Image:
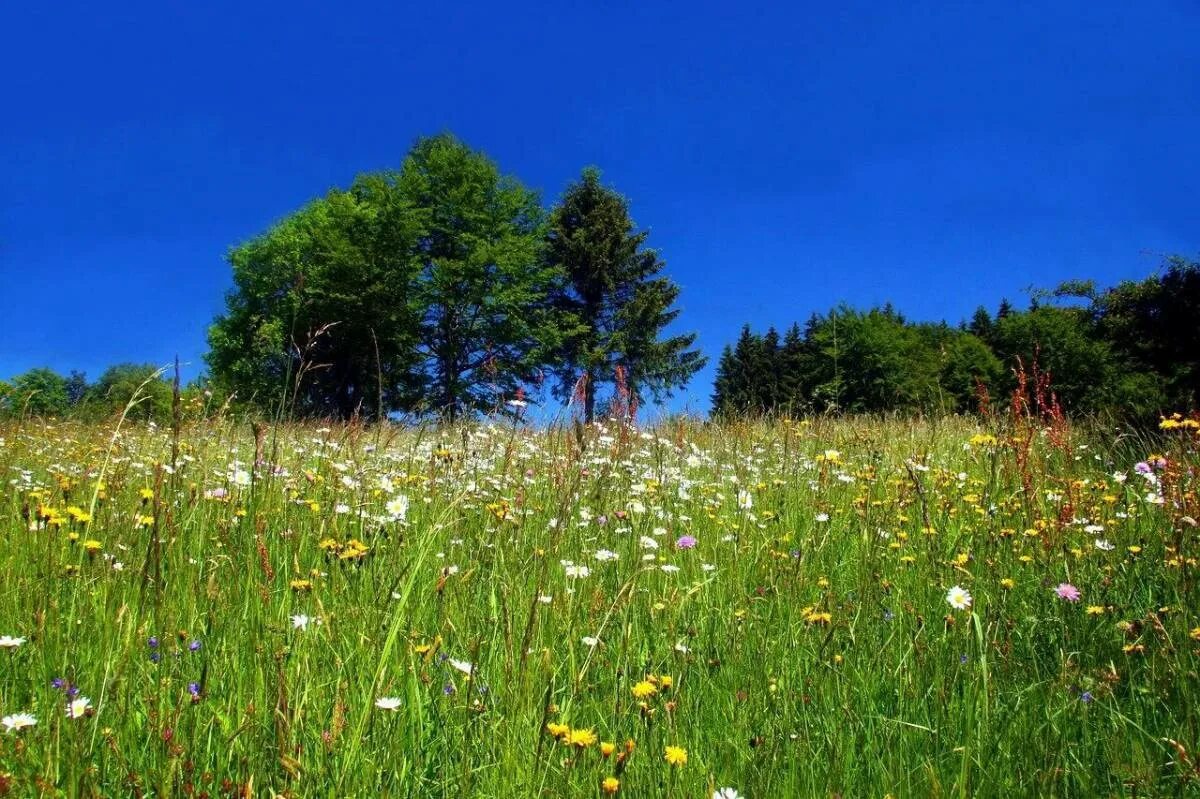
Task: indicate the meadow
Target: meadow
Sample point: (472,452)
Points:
(855,607)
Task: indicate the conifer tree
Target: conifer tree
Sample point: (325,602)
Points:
(615,305)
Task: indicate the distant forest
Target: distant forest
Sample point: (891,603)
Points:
(1131,351)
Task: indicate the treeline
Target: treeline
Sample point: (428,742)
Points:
(138,390)
(446,288)
(1132,350)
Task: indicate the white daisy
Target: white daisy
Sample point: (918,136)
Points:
(388,703)
(78,707)
(959,598)
(18,721)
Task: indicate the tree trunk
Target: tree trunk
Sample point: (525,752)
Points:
(589,397)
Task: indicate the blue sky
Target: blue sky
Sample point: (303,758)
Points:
(785,157)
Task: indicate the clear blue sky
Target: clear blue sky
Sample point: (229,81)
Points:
(785,156)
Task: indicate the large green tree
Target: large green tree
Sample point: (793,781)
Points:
(485,324)
(38,392)
(321,315)
(616,300)
(422,289)
(123,383)
(1155,324)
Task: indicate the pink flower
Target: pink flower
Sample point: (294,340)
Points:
(1068,592)
(685,542)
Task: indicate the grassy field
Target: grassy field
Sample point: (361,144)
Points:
(763,610)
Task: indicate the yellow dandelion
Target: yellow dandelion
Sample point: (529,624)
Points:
(581,738)
(676,756)
(644,690)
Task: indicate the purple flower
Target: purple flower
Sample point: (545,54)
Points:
(194,688)
(152,643)
(59,683)
(1086,697)
(1142,467)
(194,646)
(686,542)
(1067,591)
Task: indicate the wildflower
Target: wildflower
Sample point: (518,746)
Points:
(607,748)
(557,730)
(590,640)
(726,793)
(397,508)
(686,542)
(1067,591)
(1095,610)
(9,642)
(644,690)
(745,500)
(79,707)
(676,756)
(463,666)
(18,721)
(580,738)
(300,621)
(194,646)
(1104,545)
(959,598)
(388,703)
(1086,697)
(604,555)
(610,785)
(577,572)
(1195,634)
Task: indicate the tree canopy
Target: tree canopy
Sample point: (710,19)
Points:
(445,287)
(613,304)
(1130,350)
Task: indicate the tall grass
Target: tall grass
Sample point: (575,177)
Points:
(806,637)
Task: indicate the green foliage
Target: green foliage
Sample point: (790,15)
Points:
(38,392)
(321,319)
(1132,351)
(614,304)
(1155,324)
(423,290)
(1060,341)
(485,324)
(124,383)
(853,361)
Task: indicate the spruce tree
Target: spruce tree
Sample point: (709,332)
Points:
(615,304)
